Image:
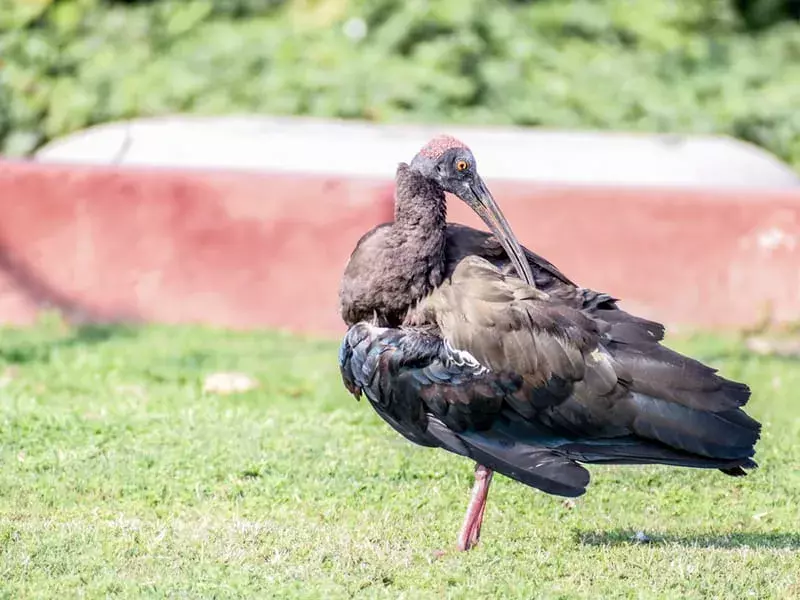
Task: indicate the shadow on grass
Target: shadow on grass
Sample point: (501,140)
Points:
(98,333)
(624,537)
(22,348)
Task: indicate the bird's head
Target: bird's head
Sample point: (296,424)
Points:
(451,164)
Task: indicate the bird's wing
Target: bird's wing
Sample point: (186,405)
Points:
(463,241)
(508,325)
(435,395)
(656,401)
(631,341)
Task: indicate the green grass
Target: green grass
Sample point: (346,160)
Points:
(120,477)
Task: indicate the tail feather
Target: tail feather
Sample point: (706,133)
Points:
(691,414)
(739,470)
(727,435)
(633,451)
(657,371)
(536,466)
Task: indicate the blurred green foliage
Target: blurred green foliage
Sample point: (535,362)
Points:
(704,66)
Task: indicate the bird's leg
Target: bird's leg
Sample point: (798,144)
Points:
(476,529)
(471,530)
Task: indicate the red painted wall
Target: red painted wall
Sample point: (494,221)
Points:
(230,249)
(267,250)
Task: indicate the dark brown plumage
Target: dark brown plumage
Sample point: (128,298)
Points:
(464,340)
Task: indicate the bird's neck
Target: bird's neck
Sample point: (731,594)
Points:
(419,204)
(419,229)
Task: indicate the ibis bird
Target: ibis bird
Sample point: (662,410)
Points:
(467,341)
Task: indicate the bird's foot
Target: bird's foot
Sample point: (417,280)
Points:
(470,533)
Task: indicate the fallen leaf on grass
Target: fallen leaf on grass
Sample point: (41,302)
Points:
(786,347)
(229,383)
(9,375)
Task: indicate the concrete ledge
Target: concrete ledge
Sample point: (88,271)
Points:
(244,249)
(358,149)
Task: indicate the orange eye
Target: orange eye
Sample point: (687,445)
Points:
(462,165)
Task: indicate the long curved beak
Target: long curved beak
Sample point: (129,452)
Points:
(485,206)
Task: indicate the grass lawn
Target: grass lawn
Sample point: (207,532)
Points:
(120,477)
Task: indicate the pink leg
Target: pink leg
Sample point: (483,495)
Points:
(476,529)
(471,530)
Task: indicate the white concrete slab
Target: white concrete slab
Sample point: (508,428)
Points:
(364,149)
